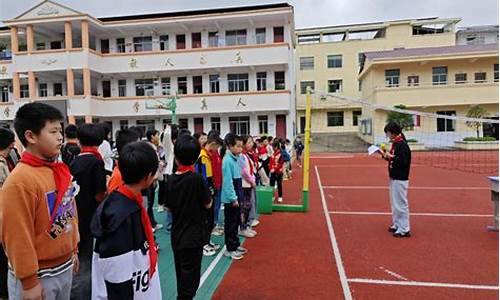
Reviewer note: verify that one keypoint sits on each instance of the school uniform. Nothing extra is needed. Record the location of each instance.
(399, 171)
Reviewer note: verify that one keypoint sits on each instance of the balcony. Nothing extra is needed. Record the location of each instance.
(446, 93)
(246, 102)
(175, 60)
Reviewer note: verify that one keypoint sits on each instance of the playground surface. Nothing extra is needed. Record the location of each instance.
(340, 248)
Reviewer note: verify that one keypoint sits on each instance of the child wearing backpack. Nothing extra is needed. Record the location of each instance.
(276, 169)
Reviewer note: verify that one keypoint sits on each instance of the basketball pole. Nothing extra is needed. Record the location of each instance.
(304, 207)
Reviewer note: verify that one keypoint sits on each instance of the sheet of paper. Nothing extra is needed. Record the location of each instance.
(373, 149)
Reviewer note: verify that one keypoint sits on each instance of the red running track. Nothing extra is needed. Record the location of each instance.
(292, 257)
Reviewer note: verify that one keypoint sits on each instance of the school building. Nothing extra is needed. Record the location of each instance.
(446, 80)
(357, 60)
(229, 69)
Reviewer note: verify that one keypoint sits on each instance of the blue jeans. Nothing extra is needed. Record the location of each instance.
(217, 207)
(253, 215)
(169, 221)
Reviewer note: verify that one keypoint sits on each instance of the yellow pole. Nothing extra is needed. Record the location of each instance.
(305, 189)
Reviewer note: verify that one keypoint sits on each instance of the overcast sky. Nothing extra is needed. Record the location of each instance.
(308, 13)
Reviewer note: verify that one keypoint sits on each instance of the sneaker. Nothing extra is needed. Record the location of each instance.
(216, 247)
(233, 254)
(208, 251)
(218, 231)
(280, 199)
(255, 223)
(242, 250)
(158, 226)
(252, 231)
(246, 233)
(161, 208)
(401, 234)
(392, 229)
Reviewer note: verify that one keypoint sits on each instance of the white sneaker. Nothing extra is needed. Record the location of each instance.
(242, 250)
(252, 231)
(218, 231)
(255, 223)
(246, 233)
(161, 208)
(280, 199)
(233, 254)
(216, 247)
(158, 226)
(208, 250)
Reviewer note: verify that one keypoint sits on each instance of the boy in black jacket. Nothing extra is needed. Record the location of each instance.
(399, 158)
(124, 264)
(189, 201)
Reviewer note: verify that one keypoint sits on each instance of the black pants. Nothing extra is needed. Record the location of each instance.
(277, 179)
(231, 224)
(187, 269)
(3, 273)
(265, 165)
(151, 202)
(81, 288)
(162, 191)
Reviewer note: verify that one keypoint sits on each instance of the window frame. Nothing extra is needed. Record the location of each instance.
(304, 85)
(215, 123)
(330, 118)
(263, 122)
(236, 37)
(213, 39)
(277, 36)
(196, 44)
(197, 84)
(444, 127)
(122, 88)
(261, 78)
(237, 82)
(482, 74)
(334, 82)
(464, 80)
(260, 35)
(392, 77)
(166, 86)
(182, 90)
(334, 61)
(43, 91)
(164, 42)
(279, 82)
(180, 45)
(143, 43)
(214, 82)
(437, 78)
(144, 85)
(306, 65)
(237, 122)
(413, 80)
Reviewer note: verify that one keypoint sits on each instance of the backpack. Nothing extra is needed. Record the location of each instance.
(69, 152)
(285, 155)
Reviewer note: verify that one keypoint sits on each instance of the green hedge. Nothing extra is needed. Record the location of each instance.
(412, 141)
(479, 139)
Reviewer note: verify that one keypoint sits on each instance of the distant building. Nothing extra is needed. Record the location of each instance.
(477, 35)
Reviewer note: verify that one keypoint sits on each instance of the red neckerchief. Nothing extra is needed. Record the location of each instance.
(146, 225)
(62, 177)
(92, 150)
(183, 169)
(396, 140)
(250, 161)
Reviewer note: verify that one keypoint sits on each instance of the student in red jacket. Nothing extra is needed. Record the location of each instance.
(215, 157)
(276, 169)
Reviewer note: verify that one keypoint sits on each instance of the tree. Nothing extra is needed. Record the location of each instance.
(402, 119)
(476, 112)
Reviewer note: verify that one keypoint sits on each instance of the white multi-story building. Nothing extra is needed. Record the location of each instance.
(232, 68)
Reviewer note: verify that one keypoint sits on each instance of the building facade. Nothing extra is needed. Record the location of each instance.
(231, 69)
(328, 59)
(477, 35)
(445, 80)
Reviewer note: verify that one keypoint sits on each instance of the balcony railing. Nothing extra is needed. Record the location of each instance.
(437, 84)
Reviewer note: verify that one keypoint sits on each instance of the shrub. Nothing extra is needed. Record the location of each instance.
(479, 139)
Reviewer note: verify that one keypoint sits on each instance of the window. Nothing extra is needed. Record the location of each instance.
(304, 85)
(183, 123)
(260, 35)
(413, 80)
(53, 45)
(58, 89)
(474, 40)
(165, 86)
(214, 80)
(24, 91)
(416, 120)
(308, 39)
(143, 87)
(355, 117)
(4, 93)
(197, 85)
(42, 90)
(180, 41)
(143, 43)
(196, 40)
(236, 37)
(105, 46)
(40, 46)
(120, 45)
(480, 77)
(460, 78)
(263, 127)
(495, 72)
(237, 82)
(334, 61)
(123, 124)
(439, 75)
(122, 88)
(279, 81)
(163, 42)
(182, 85)
(335, 118)
(239, 125)
(261, 81)
(279, 34)
(335, 86)
(333, 37)
(166, 122)
(307, 63)
(445, 125)
(215, 123)
(392, 78)
(106, 88)
(213, 39)
(146, 125)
